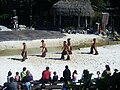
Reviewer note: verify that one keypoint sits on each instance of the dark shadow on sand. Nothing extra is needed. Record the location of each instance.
(58, 53)
(17, 59)
(54, 58)
(36, 55)
(85, 52)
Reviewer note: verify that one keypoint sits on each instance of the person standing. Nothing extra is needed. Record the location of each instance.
(69, 46)
(65, 51)
(44, 49)
(93, 47)
(24, 51)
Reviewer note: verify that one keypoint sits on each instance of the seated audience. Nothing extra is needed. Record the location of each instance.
(12, 85)
(46, 75)
(17, 77)
(75, 76)
(67, 74)
(23, 73)
(55, 77)
(9, 76)
(27, 80)
(107, 72)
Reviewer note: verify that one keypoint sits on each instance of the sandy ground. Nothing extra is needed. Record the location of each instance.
(36, 64)
(76, 39)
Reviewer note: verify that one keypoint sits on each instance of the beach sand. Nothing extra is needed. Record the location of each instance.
(36, 64)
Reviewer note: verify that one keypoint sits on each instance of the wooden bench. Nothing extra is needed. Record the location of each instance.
(74, 86)
(51, 87)
(47, 86)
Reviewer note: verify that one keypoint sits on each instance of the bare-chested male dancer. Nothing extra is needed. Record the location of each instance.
(69, 46)
(93, 47)
(24, 52)
(44, 49)
(65, 51)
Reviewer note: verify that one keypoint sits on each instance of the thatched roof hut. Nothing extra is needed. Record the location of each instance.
(73, 7)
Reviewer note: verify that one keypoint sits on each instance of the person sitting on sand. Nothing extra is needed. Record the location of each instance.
(17, 77)
(9, 76)
(55, 77)
(75, 76)
(44, 49)
(67, 74)
(24, 51)
(107, 72)
(93, 47)
(23, 73)
(27, 80)
(65, 51)
(69, 46)
(12, 85)
(46, 75)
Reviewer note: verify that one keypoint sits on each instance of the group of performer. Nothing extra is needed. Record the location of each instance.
(67, 49)
(24, 50)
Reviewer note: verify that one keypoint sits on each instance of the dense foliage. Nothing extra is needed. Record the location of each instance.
(39, 10)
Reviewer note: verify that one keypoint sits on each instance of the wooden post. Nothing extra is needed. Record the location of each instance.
(78, 20)
(60, 21)
(79, 17)
(54, 19)
(86, 22)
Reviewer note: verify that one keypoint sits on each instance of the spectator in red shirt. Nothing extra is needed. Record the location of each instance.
(46, 75)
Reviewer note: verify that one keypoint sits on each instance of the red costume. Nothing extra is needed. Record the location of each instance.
(65, 51)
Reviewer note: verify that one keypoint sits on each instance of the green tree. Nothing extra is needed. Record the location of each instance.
(99, 4)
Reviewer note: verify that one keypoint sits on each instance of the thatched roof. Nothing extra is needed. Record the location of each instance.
(73, 7)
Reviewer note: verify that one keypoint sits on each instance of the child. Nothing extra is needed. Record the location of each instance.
(17, 77)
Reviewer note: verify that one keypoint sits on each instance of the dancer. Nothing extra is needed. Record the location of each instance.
(65, 51)
(44, 49)
(93, 47)
(69, 46)
(24, 52)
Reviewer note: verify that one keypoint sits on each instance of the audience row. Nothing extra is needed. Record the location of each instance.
(24, 79)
